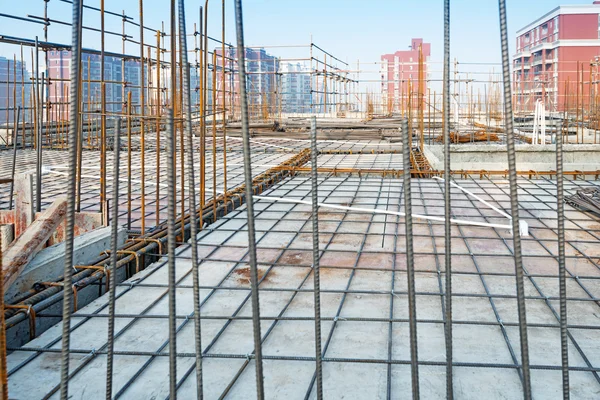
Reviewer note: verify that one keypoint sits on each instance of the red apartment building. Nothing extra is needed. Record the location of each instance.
(549, 51)
(401, 69)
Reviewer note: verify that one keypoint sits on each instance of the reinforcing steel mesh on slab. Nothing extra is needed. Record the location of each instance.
(363, 301)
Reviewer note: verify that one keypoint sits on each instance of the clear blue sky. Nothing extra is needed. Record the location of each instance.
(350, 29)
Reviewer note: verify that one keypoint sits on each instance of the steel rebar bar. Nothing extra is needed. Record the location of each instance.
(187, 110)
(14, 163)
(113, 261)
(562, 279)
(315, 253)
(171, 252)
(447, 202)
(70, 223)
(514, 201)
(249, 200)
(410, 267)
(172, 201)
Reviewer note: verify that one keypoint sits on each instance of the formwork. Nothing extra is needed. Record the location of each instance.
(364, 307)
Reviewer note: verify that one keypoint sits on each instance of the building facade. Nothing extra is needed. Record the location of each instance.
(115, 71)
(551, 53)
(15, 90)
(400, 74)
(262, 81)
(295, 88)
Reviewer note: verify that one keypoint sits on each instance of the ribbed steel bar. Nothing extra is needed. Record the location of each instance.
(171, 251)
(315, 253)
(113, 261)
(171, 192)
(514, 201)
(562, 274)
(103, 197)
(142, 119)
(187, 109)
(3, 354)
(447, 201)
(14, 163)
(38, 145)
(70, 224)
(239, 23)
(410, 262)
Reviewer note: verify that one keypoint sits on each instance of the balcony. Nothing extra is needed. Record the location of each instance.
(524, 53)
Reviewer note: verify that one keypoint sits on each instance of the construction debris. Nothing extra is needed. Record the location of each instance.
(479, 136)
(587, 199)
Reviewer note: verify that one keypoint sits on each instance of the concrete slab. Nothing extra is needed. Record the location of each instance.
(363, 303)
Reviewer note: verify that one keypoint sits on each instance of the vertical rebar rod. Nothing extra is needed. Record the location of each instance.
(3, 353)
(315, 252)
(202, 112)
(114, 223)
(158, 124)
(103, 197)
(142, 123)
(214, 136)
(73, 138)
(171, 239)
(205, 98)
(562, 280)
(514, 201)
(129, 160)
(447, 200)
(187, 109)
(38, 146)
(241, 53)
(14, 164)
(171, 253)
(224, 106)
(410, 267)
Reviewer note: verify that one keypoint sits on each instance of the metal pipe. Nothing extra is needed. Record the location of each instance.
(69, 227)
(241, 53)
(113, 260)
(514, 201)
(410, 263)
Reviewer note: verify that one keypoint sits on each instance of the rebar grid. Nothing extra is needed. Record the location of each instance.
(367, 287)
(295, 256)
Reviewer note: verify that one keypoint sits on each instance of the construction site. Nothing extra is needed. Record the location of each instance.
(185, 215)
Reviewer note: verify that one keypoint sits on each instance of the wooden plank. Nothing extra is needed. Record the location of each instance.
(32, 240)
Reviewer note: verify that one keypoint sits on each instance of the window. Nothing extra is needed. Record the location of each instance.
(556, 25)
(545, 29)
(598, 26)
(527, 38)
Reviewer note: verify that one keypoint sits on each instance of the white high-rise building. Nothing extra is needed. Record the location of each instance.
(295, 88)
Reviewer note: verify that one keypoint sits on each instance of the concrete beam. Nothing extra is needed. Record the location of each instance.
(48, 265)
(31, 241)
